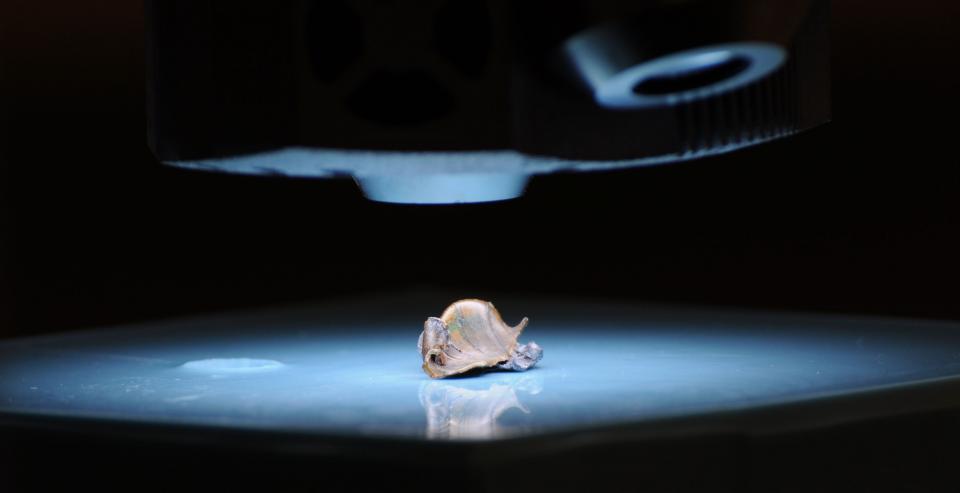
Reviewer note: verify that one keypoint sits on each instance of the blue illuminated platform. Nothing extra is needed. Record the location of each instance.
(343, 378)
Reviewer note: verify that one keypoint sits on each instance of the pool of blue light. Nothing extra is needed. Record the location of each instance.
(330, 369)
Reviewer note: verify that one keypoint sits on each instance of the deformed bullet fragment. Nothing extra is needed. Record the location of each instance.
(471, 335)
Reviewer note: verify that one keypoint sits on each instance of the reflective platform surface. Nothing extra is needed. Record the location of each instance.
(351, 369)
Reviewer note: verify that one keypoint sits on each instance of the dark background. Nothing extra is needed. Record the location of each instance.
(858, 216)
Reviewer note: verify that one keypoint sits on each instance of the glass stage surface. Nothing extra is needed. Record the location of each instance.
(348, 371)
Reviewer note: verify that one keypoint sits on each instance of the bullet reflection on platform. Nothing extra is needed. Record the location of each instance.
(457, 411)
